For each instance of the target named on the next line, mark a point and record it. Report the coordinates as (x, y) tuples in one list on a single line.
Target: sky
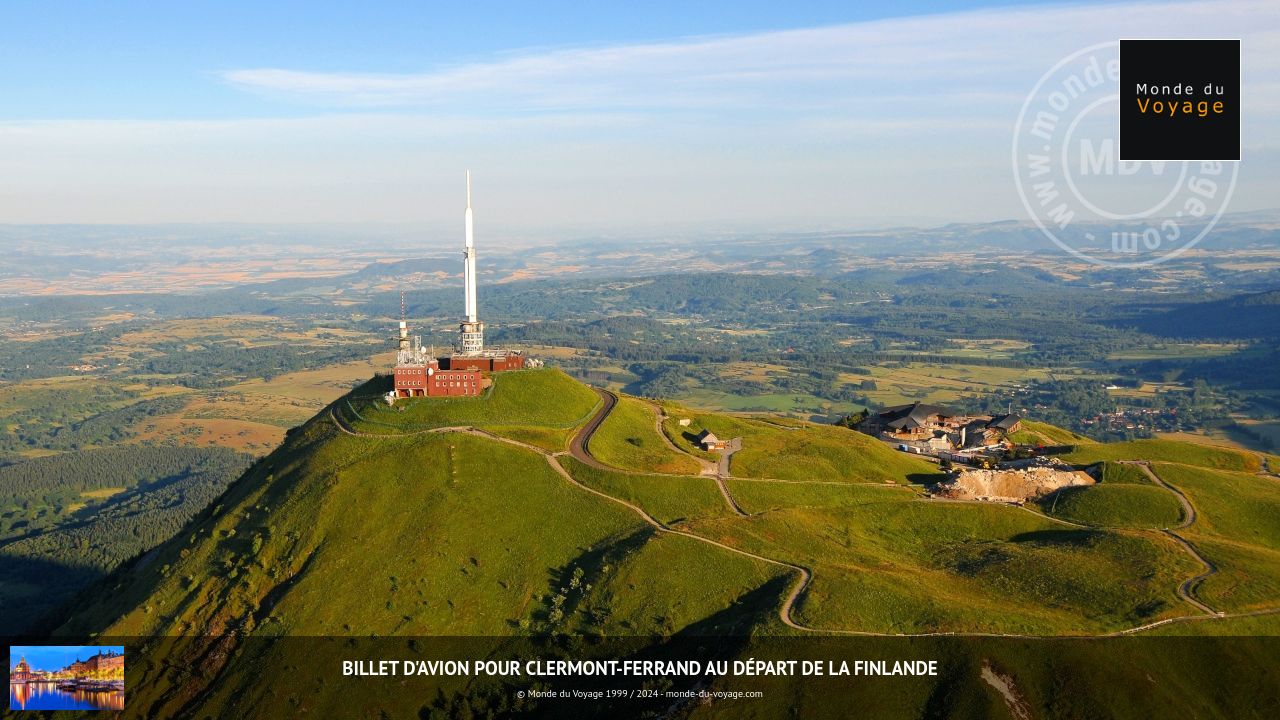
[(55, 657), (574, 118)]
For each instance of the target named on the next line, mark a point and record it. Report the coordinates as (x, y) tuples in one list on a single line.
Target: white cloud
[(838, 126), (961, 55)]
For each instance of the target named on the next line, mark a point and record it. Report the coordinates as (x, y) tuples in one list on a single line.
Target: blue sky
[(575, 118), (55, 657), (147, 60)]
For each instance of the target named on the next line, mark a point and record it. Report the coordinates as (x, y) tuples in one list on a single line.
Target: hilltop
[(544, 507)]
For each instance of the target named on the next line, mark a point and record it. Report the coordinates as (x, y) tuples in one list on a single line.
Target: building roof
[(907, 417), (706, 436), (1004, 422)]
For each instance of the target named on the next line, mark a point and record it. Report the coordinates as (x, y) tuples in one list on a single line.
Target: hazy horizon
[(828, 121)]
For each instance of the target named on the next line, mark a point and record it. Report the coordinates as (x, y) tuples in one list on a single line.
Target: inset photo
[(66, 677)]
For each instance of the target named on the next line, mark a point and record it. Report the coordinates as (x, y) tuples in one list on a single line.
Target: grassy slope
[(339, 535), (342, 535), (1238, 524), (884, 560), (1235, 506), (1116, 505), (549, 439), (1238, 529), (627, 439), (757, 496), (808, 452), (1114, 473), (1166, 451), (1033, 433), (1261, 625), (668, 499), (412, 560)]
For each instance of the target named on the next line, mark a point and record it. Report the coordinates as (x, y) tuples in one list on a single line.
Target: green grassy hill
[(668, 499), (539, 406), (366, 523), (884, 558), (1115, 473), (1168, 451), (1238, 529), (794, 450), (1038, 433), (385, 529), (1118, 505), (627, 440)]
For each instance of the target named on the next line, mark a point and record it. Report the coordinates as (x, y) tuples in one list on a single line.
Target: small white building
[(708, 441)]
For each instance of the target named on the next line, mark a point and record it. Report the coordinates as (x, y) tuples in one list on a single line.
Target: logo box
[(1180, 100)]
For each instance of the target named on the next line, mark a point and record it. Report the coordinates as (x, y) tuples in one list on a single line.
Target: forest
[(68, 519), (41, 427)]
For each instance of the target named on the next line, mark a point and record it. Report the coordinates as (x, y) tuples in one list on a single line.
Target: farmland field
[(900, 383)]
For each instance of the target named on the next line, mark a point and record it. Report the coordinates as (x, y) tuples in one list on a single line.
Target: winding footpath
[(1188, 586), (579, 449), (1265, 469)]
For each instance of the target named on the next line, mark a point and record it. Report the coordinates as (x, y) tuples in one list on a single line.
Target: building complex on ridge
[(419, 373)]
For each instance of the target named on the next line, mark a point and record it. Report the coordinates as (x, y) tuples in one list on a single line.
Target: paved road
[(803, 575), (578, 445), (730, 448)]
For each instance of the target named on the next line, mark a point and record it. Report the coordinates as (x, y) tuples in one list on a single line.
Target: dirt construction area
[(1012, 486)]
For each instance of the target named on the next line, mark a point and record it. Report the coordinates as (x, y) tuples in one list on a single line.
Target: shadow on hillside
[(926, 478), (746, 613), (35, 590), (1075, 538), (724, 635), (1048, 500), (569, 582)]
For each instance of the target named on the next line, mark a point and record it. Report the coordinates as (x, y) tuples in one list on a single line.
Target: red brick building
[(429, 380), (490, 361)]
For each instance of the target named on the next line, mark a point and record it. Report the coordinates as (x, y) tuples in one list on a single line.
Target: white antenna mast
[(469, 258)]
